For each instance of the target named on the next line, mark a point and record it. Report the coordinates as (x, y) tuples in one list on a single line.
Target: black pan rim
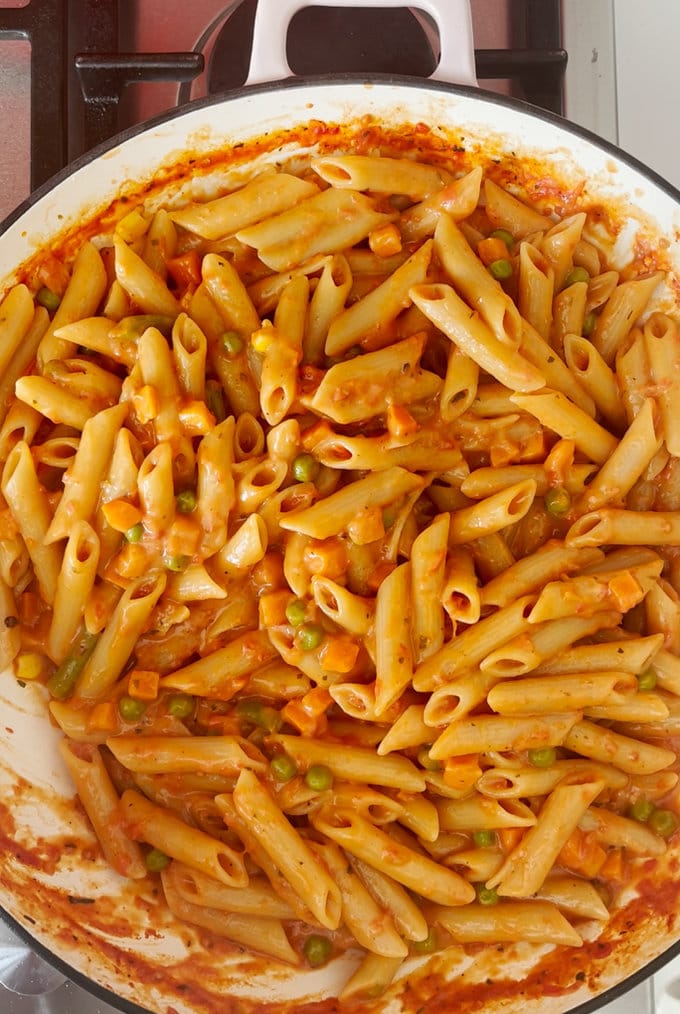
[(329, 81)]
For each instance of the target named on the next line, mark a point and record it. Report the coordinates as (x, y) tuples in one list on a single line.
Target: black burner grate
[(78, 74)]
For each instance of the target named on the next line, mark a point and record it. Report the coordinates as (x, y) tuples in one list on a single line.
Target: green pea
[(186, 501), (283, 767), (295, 612), (426, 946), (542, 757), (487, 895), (557, 502), (181, 705), (646, 680), (155, 860), (305, 467), (50, 300), (310, 636), (136, 533), (177, 564), (232, 343), (506, 236), (130, 709), (259, 714), (576, 275), (319, 777), (426, 761), (484, 839), (317, 949), (501, 269), (589, 322), (641, 810), (663, 822)]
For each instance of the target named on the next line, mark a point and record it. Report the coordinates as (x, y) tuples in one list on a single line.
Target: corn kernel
[(29, 666), (262, 338)]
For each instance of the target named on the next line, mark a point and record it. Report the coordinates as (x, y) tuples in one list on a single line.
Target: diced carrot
[(121, 515), (54, 275), (267, 575), (131, 562), (625, 591), (378, 575), (272, 607), (327, 557), (102, 717), (146, 403), (310, 437), (582, 853), (492, 249), (183, 536), (143, 684), (509, 837), (386, 240), (196, 418), (613, 868), (308, 713), (400, 422), (462, 772), (368, 526), (185, 269), (338, 654)]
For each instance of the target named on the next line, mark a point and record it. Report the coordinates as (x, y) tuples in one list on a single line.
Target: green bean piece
[(664, 823), (62, 683), (155, 860), (130, 709), (214, 399), (181, 705), (542, 757), (589, 322), (310, 636), (484, 839), (317, 949), (295, 612), (283, 767), (132, 328), (501, 269), (50, 300), (319, 777), (305, 467)]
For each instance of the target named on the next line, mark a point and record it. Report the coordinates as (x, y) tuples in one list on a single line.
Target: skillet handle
[(269, 62)]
